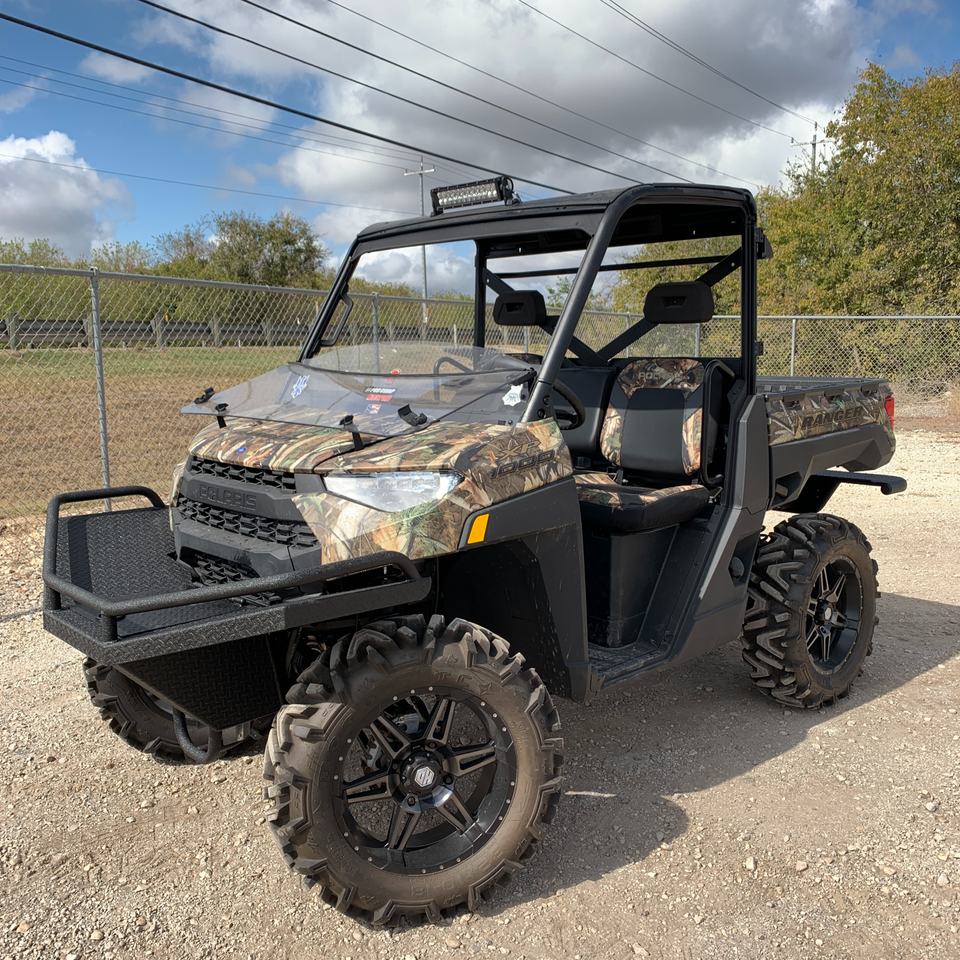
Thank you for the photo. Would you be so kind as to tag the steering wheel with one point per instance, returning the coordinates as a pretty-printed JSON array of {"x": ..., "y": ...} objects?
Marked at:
[{"x": 570, "y": 421}]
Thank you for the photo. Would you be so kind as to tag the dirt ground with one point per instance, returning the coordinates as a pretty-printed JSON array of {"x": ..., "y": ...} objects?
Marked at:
[{"x": 699, "y": 819}]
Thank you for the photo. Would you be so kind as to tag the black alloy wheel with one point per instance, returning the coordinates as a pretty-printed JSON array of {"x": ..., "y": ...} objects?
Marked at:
[
  {"x": 834, "y": 611},
  {"x": 427, "y": 782}
]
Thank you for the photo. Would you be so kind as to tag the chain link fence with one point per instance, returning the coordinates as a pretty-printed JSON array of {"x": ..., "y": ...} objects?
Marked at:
[{"x": 94, "y": 367}]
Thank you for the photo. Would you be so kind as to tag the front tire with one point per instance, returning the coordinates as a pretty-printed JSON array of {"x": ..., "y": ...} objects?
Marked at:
[
  {"x": 414, "y": 769},
  {"x": 140, "y": 719},
  {"x": 811, "y": 610},
  {"x": 146, "y": 722}
]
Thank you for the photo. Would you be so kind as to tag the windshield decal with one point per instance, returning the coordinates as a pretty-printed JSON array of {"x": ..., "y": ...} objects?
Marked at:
[{"x": 513, "y": 396}]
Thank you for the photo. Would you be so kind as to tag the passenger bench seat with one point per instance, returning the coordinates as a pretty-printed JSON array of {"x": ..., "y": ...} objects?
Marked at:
[{"x": 653, "y": 426}]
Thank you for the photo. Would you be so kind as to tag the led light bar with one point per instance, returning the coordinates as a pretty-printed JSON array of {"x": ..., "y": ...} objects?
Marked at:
[{"x": 470, "y": 194}]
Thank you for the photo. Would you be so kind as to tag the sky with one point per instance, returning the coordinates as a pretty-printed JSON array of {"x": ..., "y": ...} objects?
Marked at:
[{"x": 684, "y": 89}]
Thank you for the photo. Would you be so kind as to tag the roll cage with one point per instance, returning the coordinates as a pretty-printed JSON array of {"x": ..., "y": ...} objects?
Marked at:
[{"x": 593, "y": 223}]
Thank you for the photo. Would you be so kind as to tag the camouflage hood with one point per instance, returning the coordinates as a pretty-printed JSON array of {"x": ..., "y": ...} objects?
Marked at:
[{"x": 285, "y": 447}]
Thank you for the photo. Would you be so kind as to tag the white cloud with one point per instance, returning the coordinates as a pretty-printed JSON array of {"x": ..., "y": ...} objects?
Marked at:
[
  {"x": 114, "y": 70},
  {"x": 904, "y": 56},
  {"x": 800, "y": 55},
  {"x": 75, "y": 208},
  {"x": 449, "y": 267},
  {"x": 16, "y": 99}
]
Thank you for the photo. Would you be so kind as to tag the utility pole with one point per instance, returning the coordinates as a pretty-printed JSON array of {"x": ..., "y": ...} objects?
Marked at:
[
  {"x": 423, "y": 250},
  {"x": 810, "y": 143}
]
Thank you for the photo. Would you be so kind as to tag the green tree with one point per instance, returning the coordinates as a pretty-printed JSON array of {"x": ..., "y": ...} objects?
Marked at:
[
  {"x": 876, "y": 227},
  {"x": 36, "y": 253},
  {"x": 244, "y": 248}
]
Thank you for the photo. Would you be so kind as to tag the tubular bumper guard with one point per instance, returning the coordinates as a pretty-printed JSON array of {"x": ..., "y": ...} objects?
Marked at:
[{"x": 114, "y": 589}]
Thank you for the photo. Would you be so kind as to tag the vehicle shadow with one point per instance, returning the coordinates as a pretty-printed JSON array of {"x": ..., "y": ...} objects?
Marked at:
[{"x": 638, "y": 749}]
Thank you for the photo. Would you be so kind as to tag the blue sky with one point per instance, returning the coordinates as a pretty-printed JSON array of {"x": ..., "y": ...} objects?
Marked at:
[{"x": 690, "y": 122}]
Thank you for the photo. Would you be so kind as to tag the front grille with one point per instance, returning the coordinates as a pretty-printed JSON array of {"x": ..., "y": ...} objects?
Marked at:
[
  {"x": 215, "y": 570},
  {"x": 288, "y": 533},
  {"x": 271, "y": 479}
]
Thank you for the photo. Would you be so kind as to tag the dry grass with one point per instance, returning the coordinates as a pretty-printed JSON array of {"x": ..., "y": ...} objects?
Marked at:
[
  {"x": 953, "y": 404},
  {"x": 49, "y": 422}
]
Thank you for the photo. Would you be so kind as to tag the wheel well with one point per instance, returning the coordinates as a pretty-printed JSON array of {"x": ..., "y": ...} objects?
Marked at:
[{"x": 501, "y": 587}]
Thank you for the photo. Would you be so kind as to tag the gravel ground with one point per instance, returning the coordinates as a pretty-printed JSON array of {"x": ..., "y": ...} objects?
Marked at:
[{"x": 699, "y": 821}]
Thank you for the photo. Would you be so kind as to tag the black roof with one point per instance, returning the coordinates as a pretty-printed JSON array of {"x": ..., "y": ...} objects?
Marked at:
[{"x": 657, "y": 212}]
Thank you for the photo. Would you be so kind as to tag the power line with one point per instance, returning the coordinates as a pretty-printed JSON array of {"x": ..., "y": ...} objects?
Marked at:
[
  {"x": 530, "y": 93},
  {"x": 441, "y": 83},
  {"x": 202, "y": 186},
  {"x": 129, "y": 58},
  {"x": 397, "y": 96},
  {"x": 633, "y": 18},
  {"x": 650, "y": 73},
  {"x": 298, "y": 134},
  {"x": 189, "y": 123}
]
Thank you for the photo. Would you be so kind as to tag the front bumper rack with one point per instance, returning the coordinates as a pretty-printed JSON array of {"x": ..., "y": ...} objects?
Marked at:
[{"x": 114, "y": 589}]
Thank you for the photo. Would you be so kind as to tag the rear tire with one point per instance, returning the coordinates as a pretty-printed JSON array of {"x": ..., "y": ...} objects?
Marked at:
[
  {"x": 414, "y": 769},
  {"x": 811, "y": 610}
]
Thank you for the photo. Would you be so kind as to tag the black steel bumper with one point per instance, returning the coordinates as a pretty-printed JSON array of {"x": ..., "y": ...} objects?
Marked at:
[{"x": 114, "y": 589}]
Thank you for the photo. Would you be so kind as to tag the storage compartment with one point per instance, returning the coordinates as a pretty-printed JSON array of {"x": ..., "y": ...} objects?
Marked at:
[{"x": 622, "y": 571}]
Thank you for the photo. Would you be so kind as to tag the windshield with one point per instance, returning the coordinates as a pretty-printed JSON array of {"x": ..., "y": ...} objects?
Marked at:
[{"x": 417, "y": 385}]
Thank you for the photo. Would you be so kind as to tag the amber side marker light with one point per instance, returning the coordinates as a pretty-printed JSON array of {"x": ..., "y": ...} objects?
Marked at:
[{"x": 479, "y": 529}]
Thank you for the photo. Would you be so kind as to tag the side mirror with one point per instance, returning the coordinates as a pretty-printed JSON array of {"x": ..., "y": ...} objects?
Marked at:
[{"x": 764, "y": 247}]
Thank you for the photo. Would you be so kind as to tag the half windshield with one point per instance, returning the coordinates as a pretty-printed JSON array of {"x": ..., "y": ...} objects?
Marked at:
[{"x": 417, "y": 383}]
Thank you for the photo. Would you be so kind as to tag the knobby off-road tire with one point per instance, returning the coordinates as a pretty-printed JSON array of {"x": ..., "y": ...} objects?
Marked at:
[
  {"x": 136, "y": 716},
  {"x": 811, "y": 610},
  {"x": 414, "y": 769}
]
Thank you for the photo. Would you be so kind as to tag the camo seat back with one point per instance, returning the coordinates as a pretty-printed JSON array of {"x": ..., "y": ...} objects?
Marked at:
[{"x": 654, "y": 421}]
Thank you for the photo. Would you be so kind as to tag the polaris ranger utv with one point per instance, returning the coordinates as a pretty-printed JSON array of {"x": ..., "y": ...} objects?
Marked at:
[{"x": 395, "y": 551}]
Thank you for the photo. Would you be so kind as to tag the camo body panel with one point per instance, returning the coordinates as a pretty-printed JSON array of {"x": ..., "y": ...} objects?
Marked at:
[
  {"x": 497, "y": 463},
  {"x": 683, "y": 374},
  {"x": 284, "y": 447},
  {"x": 814, "y": 415}
]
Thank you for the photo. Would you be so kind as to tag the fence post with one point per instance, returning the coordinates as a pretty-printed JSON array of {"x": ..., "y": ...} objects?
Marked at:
[
  {"x": 159, "y": 332},
  {"x": 13, "y": 330},
  {"x": 696, "y": 340},
  {"x": 268, "y": 330},
  {"x": 526, "y": 339},
  {"x": 101, "y": 390},
  {"x": 453, "y": 327},
  {"x": 793, "y": 343},
  {"x": 376, "y": 332},
  {"x": 215, "y": 330}
]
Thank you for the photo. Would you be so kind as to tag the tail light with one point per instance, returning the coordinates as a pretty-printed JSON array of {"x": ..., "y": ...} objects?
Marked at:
[{"x": 888, "y": 406}]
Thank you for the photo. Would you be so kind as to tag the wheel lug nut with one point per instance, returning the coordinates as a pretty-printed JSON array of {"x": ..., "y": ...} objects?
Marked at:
[
  {"x": 412, "y": 800},
  {"x": 448, "y": 779},
  {"x": 431, "y": 745}
]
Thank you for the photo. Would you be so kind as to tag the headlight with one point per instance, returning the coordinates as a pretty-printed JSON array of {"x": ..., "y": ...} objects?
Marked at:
[{"x": 393, "y": 491}]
